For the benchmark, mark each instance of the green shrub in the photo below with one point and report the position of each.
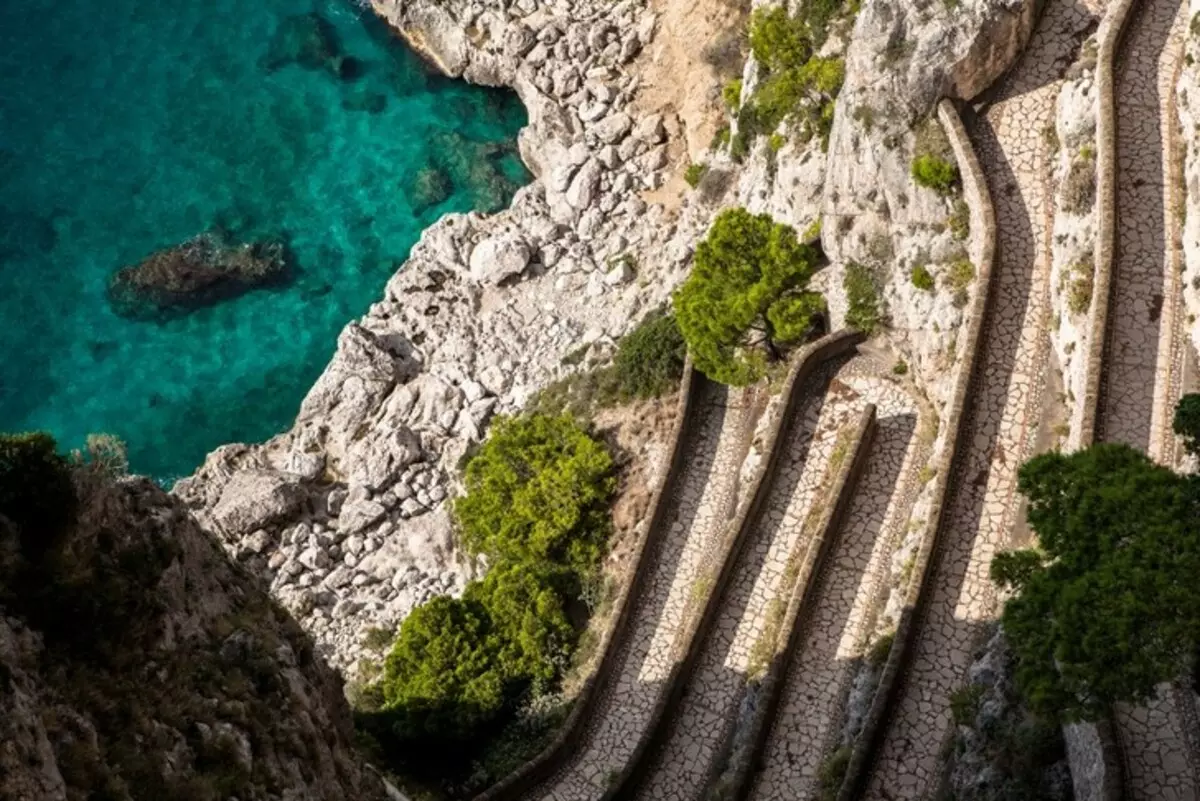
(650, 358)
(537, 490)
(36, 491)
(900, 368)
(880, 650)
(694, 174)
(958, 278)
(933, 172)
(778, 40)
(536, 505)
(1186, 422)
(832, 772)
(959, 221)
(1105, 608)
(862, 294)
(964, 703)
(747, 296)
(444, 674)
(1080, 285)
(1079, 187)
(731, 93)
(797, 85)
(720, 138)
(922, 279)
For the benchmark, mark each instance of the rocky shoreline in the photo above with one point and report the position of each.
(344, 513)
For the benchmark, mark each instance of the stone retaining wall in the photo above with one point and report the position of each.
(1111, 30)
(840, 487)
(983, 231)
(1092, 751)
(725, 553)
(555, 754)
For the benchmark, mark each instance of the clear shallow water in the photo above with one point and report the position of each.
(131, 125)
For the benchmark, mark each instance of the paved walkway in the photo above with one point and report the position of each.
(702, 722)
(1004, 403)
(714, 452)
(845, 602)
(1140, 386)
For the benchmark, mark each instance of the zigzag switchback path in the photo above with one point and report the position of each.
(1140, 374)
(1004, 405)
(842, 607)
(716, 444)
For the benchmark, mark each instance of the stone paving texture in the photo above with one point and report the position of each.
(843, 607)
(717, 684)
(1002, 411)
(698, 515)
(1140, 386)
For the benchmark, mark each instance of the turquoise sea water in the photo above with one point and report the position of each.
(131, 125)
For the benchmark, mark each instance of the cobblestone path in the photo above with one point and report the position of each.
(1002, 410)
(696, 732)
(1136, 381)
(848, 592)
(716, 446)
(1139, 382)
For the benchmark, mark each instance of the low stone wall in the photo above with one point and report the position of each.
(564, 744)
(983, 228)
(724, 556)
(1092, 751)
(1111, 30)
(839, 486)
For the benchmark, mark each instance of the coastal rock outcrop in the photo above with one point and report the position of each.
(145, 664)
(203, 270)
(477, 320)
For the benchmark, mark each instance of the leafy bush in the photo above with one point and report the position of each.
(959, 221)
(964, 703)
(1079, 186)
(1106, 608)
(747, 296)
(536, 505)
(444, 673)
(798, 85)
(862, 295)
(922, 279)
(36, 492)
(731, 93)
(537, 490)
(778, 40)
(694, 174)
(935, 173)
(650, 358)
(1186, 422)
(958, 278)
(832, 772)
(1080, 285)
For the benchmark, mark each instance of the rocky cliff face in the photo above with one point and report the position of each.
(902, 59)
(143, 664)
(344, 514)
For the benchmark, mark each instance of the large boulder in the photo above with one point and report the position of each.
(499, 258)
(201, 271)
(255, 499)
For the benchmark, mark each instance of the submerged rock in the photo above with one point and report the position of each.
(310, 41)
(431, 187)
(478, 166)
(203, 270)
(370, 102)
